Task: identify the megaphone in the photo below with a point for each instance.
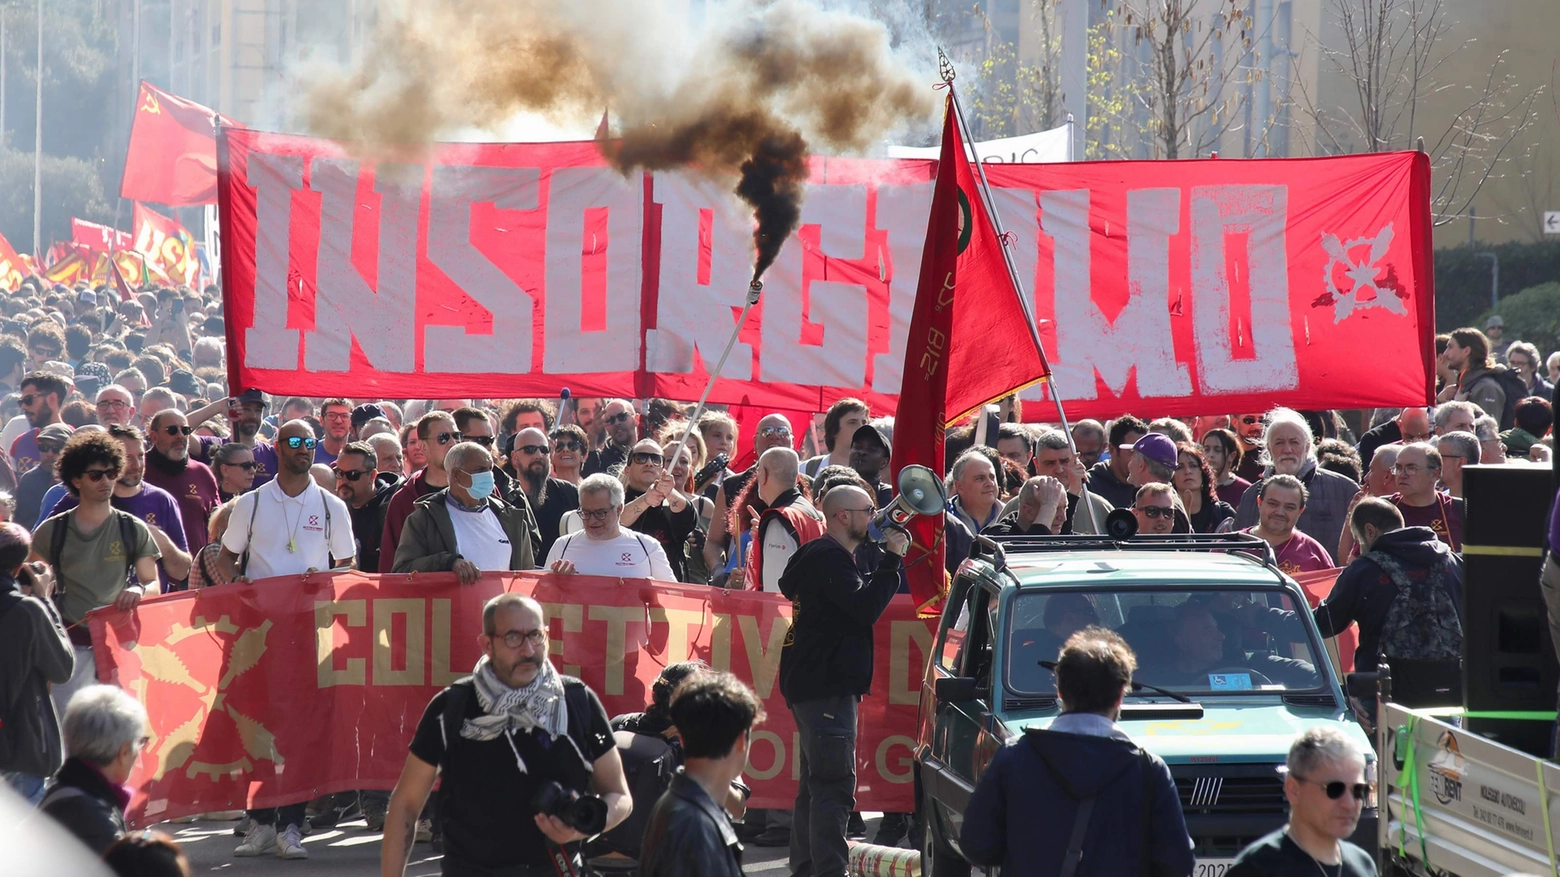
(920, 493)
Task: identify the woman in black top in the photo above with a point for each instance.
(1194, 482)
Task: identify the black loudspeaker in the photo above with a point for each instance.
(1508, 658)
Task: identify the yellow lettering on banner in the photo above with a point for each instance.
(617, 619)
(439, 661)
(720, 642)
(677, 622)
(325, 612)
(778, 749)
(763, 662)
(905, 762)
(573, 615)
(903, 688)
(384, 653)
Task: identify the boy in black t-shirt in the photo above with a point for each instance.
(1326, 787)
(496, 738)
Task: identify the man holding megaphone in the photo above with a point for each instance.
(826, 667)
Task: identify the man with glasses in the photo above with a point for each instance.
(367, 490)
(1422, 505)
(43, 395)
(114, 405)
(336, 416)
(45, 343)
(774, 431)
(436, 434)
(604, 547)
(100, 544)
(654, 507)
(826, 668)
(550, 498)
(1155, 507)
(1326, 784)
(246, 413)
(621, 430)
(493, 740)
(1249, 431)
(190, 482)
(1458, 449)
(287, 527)
(31, 487)
(466, 528)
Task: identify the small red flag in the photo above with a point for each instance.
(172, 157)
(121, 285)
(602, 131)
(952, 365)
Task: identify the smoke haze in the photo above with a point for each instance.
(745, 97)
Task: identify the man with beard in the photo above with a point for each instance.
(787, 523)
(1108, 478)
(550, 498)
(654, 507)
(869, 455)
(1290, 450)
(1478, 381)
(152, 505)
(114, 405)
(494, 740)
(436, 433)
(622, 431)
(289, 526)
(246, 413)
(1282, 501)
(367, 491)
(32, 487)
(774, 431)
(826, 667)
(190, 482)
(1248, 431)
(43, 395)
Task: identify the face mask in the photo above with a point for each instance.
(481, 485)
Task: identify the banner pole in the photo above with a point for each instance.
(1018, 284)
(754, 289)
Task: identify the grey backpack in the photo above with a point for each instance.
(1422, 623)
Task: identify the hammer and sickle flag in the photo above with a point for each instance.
(172, 158)
(968, 343)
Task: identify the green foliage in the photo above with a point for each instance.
(1531, 315)
(71, 187)
(1112, 95)
(1010, 98)
(1462, 279)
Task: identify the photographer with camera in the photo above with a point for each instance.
(527, 758)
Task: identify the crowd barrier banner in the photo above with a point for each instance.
(269, 693)
(501, 270)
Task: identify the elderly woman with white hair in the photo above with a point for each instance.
(1288, 448)
(105, 732)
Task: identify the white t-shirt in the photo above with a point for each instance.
(779, 546)
(630, 555)
(307, 521)
(479, 537)
(13, 429)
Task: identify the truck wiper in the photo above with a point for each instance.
(1136, 685)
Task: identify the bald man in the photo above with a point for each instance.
(788, 522)
(550, 498)
(826, 667)
(774, 431)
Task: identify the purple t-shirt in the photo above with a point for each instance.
(24, 451)
(1300, 554)
(264, 452)
(195, 490)
(153, 505)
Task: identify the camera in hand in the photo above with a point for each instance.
(585, 813)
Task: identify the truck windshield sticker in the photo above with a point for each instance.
(1229, 681)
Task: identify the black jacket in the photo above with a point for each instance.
(89, 807)
(1385, 434)
(1364, 592)
(1009, 525)
(689, 835)
(34, 651)
(1104, 482)
(368, 522)
(828, 651)
(1022, 812)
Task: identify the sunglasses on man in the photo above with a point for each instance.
(773, 431)
(445, 438)
(485, 441)
(1154, 511)
(641, 458)
(175, 429)
(352, 475)
(46, 352)
(296, 442)
(1336, 788)
(532, 450)
(563, 445)
(619, 417)
(100, 474)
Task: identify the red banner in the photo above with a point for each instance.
(1183, 287)
(12, 269)
(265, 694)
(172, 157)
(168, 249)
(97, 237)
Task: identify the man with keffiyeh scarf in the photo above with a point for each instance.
(496, 737)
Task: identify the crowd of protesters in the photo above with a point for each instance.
(139, 471)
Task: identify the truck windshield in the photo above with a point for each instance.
(1208, 642)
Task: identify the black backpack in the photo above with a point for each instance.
(1511, 384)
(649, 763)
(1422, 622)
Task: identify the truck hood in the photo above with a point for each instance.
(1225, 734)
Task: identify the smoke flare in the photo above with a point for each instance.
(742, 98)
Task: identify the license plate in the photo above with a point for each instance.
(1212, 867)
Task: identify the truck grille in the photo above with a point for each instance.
(1230, 794)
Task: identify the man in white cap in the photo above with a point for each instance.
(1494, 328)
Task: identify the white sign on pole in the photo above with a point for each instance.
(1552, 222)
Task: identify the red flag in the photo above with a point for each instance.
(12, 269)
(602, 131)
(172, 157)
(952, 365)
(167, 246)
(97, 237)
(121, 285)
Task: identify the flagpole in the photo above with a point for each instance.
(38, 146)
(947, 72)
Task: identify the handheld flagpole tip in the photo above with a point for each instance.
(944, 66)
(754, 289)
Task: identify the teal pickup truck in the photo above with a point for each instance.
(1211, 619)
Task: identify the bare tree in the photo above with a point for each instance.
(1010, 97)
(1390, 53)
(1193, 56)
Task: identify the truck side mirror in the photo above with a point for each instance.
(956, 689)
